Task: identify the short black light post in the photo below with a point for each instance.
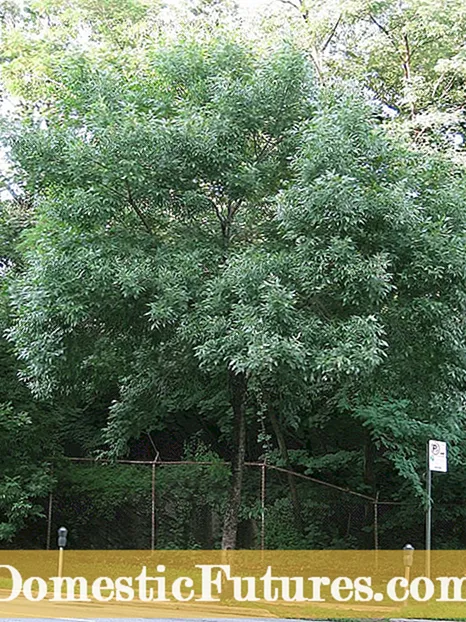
(408, 556)
(62, 534)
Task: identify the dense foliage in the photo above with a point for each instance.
(217, 249)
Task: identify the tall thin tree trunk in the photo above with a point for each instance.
(238, 388)
(277, 429)
(407, 74)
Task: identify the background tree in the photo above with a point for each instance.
(161, 189)
(217, 248)
(26, 426)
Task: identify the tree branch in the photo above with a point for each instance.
(221, 219)
(386, 32)
(332, 33)
(136, 209)
(407, 71)
(407, 62)
(299, 7)
(295, 6)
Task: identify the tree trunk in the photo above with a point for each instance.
(238, 388)
(277, 429)
(407, 74)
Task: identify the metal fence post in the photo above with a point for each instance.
(263, 474)
(49, 520)
(152, 536)
(376, 529)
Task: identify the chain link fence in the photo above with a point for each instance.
(180, 505)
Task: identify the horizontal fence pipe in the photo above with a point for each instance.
(223, 463)
(158, 462)
(318, 481)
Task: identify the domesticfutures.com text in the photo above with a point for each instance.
(214, 581)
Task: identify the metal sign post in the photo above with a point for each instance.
(436, 461)
(428, 517)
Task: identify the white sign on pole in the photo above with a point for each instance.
(438, 456)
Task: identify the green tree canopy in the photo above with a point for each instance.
(215, 235)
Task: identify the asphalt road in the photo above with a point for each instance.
(3, 619)
(144, 620)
